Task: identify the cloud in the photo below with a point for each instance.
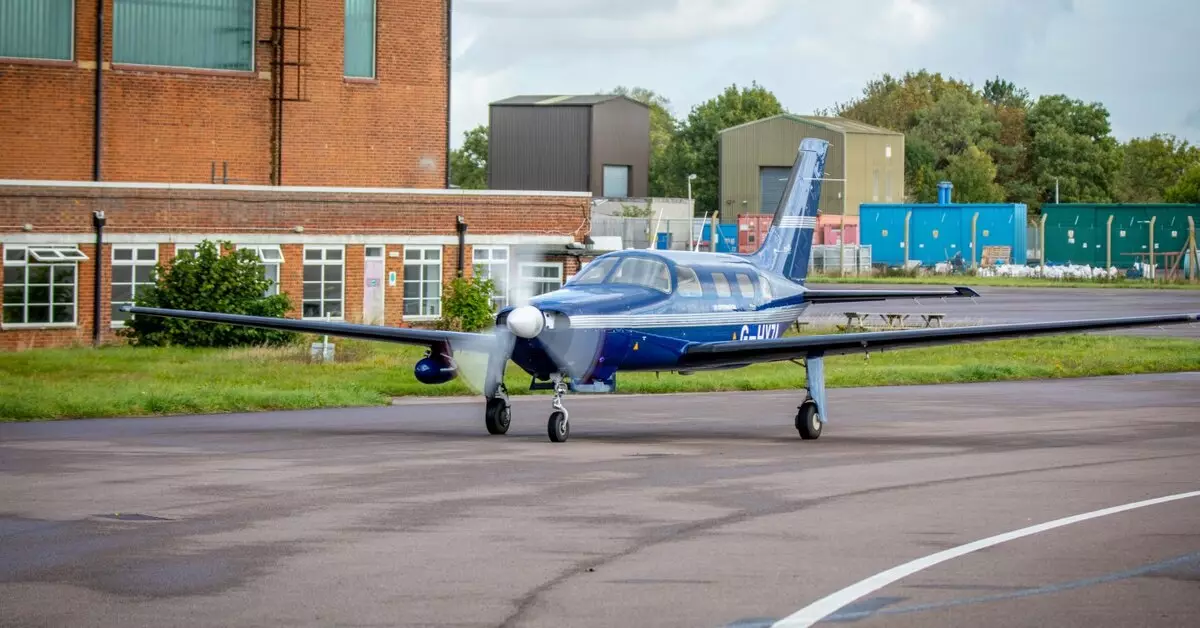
(1133, 57)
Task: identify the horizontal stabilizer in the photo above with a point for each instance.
(851, 296)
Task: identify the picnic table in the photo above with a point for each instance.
(857, 320)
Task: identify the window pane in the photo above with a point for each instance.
(64, 313)
(334, 255)
(313, 255)
(40, 294)
(36, 29)
(333, 272)
(689, 284)
(14, 313)
(39, 314)
(122, 274)
(745, 286)
(14, 254)
(123, 254)
(143, 274)
(147, 255)
(412, 254)
(212, 34)
(333, 291)
(430, 273)
(118, 315)
(374, 251)
(411, 308)
(616, 181)
(312, 291)
(64, 274)
(333, 308)
(122, 292)
(482, 255)
(722, 285)
(500, 254)
(312, 273)
(14, 275)
(14, 295)
(312, 309)
(433, 255)
(64, 295)
(359, 36)
(411, 290)
(39, 274)
(412, 273)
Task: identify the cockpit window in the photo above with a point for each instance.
(595, 272)
(641, 271)
(689, 283)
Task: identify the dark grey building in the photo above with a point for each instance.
(598, 144)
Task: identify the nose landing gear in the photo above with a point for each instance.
(557, 427)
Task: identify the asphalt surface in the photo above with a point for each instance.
(1023, 305)
(679, 510)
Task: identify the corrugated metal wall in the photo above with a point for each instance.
(772, 143)
(621, 136)
(539, 148)
(1079, 233)
(37, 29)
(872, 175)
(937, 232)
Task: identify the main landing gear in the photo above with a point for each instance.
(810, 418)
(498, 415)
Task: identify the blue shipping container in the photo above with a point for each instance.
(938, 232)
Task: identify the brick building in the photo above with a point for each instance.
(372, 255)
(290, 92)
(313, 131)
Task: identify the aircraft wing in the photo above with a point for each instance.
(850, 296)
(743, 352)
(426, 337)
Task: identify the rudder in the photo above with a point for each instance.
(787, 249)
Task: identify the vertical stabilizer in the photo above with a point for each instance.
(787, 249)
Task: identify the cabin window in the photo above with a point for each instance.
(722, 285)
(689, 283)
(595, 272)
(765, 286)
(641, 271)
(745, 286)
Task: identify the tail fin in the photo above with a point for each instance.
(787, 249)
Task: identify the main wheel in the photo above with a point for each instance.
(557, 427)
(497, 416)
(808, 420)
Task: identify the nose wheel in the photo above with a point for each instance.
(557, 427)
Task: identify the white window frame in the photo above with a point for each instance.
(322, 263)
(422, 299)
(184, 248)
(25, 263)
(133, 263)
(523, 280)
(499, 298)
(273, 289)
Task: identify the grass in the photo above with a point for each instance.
(1010, 282)
(129, 381)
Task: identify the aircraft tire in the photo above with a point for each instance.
(557, 427)
(808, 421)
(497, 417)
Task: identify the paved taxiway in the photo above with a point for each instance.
(1025, 305)
(682, 510)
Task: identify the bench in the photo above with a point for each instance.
(931, 318)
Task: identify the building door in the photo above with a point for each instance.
(373, 270)
(772, 181)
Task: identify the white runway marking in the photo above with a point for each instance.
(829, 604)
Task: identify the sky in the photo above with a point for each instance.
(1141, 58)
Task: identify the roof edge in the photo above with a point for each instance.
(282, 189)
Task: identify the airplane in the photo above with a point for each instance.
(672, 311)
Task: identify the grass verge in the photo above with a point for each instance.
(1007, 282)
(128, 381)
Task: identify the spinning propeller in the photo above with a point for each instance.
(573, 353)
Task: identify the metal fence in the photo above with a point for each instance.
(635, 233)
(841, 259)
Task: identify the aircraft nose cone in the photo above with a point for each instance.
(526, 321)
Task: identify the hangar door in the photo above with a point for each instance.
(772, 181)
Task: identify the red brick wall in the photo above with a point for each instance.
(65, 211)
(170, 125)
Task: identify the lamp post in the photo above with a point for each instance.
(689, 180)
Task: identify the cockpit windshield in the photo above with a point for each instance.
(637, 271)
(642, 271)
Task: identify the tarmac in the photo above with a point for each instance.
(670, 510)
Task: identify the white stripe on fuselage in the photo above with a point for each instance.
(695, 319)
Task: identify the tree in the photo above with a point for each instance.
(974, 177)
(209, 281)
(663, 128)
(467, 305)
(1187, 189)
(697, 145)
(468, 165)
(956, 121)
(1151, 165)
(1001, 93)
(894, 103)
(1071, 140)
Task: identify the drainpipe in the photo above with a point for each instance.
(448, 43)
(461, 227)
(98, 221)
(99, 91)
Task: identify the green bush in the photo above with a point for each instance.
(467, 305)
(209, 281)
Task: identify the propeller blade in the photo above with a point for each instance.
(476, 368)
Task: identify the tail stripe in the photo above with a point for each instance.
(798, 222)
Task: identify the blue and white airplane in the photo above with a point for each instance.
(649, 310)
